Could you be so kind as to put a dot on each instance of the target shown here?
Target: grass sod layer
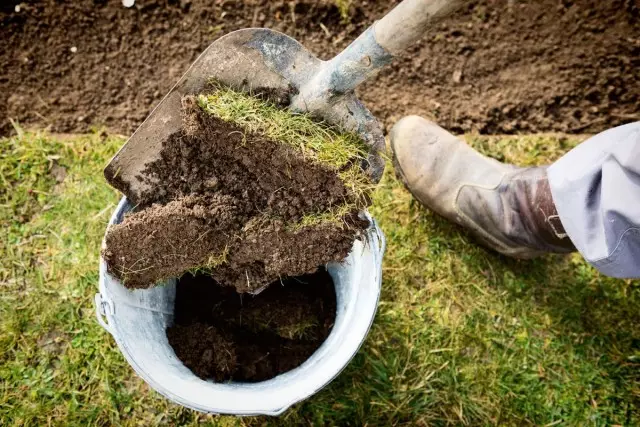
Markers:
(462, 335)
(342, 152)
(241, 175)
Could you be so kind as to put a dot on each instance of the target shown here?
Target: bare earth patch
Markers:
(498, 66)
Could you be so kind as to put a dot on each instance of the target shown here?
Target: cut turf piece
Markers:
(246, 192)
(318, 142)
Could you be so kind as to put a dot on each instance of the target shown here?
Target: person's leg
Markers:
(596, 189)
(508, 208)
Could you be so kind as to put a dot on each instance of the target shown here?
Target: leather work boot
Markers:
(507, 208)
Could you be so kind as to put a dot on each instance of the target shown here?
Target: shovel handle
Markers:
(374, 49)
(408, 21)
(377, 46)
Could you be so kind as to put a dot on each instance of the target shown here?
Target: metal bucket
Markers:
(137, 320)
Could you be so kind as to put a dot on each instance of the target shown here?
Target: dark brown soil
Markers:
(499, 66)
(221, 335)
(227, 200)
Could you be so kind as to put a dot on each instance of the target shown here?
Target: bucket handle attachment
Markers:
(104, 309)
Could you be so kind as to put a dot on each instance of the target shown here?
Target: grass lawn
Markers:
(462, 336)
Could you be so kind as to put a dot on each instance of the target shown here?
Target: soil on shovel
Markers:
(230, 202)
(222, 335)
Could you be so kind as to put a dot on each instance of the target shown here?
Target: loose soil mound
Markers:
(231, 202)
(221, 335)
(500, 66)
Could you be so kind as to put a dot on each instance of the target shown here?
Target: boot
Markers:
(508, 209)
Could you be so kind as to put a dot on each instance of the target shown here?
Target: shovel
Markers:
(259, 60)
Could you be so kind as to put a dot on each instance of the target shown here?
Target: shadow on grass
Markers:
(576, 295)
(598, 315)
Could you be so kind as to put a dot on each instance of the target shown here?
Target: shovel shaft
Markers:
(408, 21)
(374, 49)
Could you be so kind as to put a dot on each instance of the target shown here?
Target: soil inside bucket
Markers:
(231, 203)
(222, 335)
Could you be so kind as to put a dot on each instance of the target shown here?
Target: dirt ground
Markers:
(221, 335)
(498, 66)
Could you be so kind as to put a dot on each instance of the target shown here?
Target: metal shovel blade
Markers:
(262, 60)
(254, 61)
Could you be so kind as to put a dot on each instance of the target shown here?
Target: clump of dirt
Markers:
(221, 335)
(232, 203)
